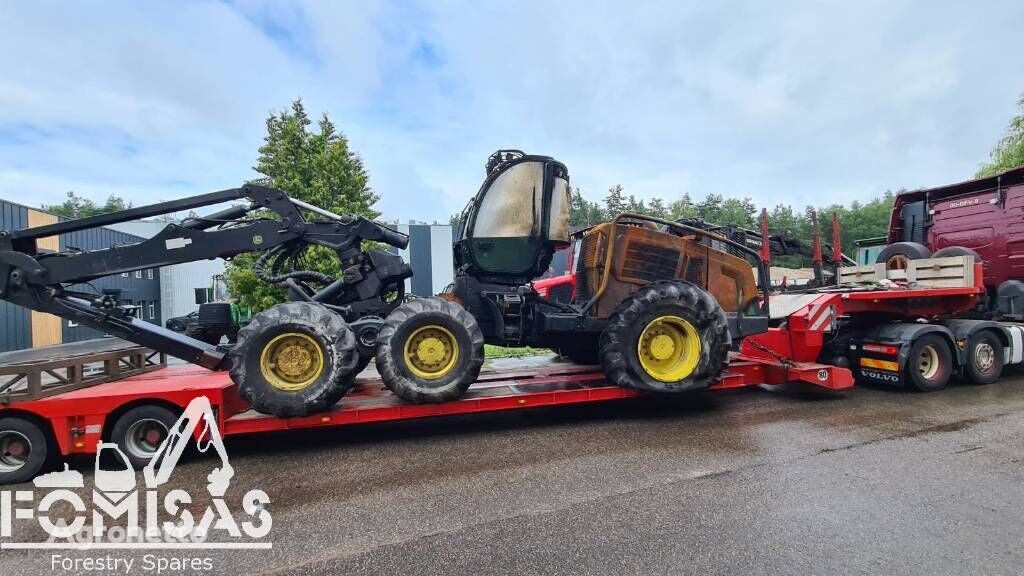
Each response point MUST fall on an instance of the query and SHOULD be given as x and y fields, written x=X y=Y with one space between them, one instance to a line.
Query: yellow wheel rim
x=431 y=352
x=292 y=361
x=669 y=349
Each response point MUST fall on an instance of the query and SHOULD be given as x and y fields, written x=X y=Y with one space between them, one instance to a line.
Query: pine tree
x=615 y=202
x=316 y=167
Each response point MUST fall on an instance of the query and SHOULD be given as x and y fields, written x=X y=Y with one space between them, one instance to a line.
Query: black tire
x=176 y=326
x=984 y=357
x=955 y=251
x=140 y=431
x=23 y=450
x=619 y=354
x=319 y=332
x=929 y=364
x=583 y=354
x=427 y=318
x=364 y=361
x=203 y=334
x=896 y=253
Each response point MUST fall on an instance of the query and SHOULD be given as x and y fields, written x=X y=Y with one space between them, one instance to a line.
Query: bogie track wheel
x=429 y=350
x=294 y=359
x=667 y=337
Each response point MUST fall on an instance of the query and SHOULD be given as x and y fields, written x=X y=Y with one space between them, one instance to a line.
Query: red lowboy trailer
x=826 y=338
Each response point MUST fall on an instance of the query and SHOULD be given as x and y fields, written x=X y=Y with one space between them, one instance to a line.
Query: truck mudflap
x=881 y=353
x=879 y=361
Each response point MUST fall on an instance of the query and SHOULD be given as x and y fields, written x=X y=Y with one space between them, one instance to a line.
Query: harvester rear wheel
x=667 y=337
x=429 y=350
x=294 y=359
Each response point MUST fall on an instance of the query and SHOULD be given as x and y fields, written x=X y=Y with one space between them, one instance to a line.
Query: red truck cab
x=983 y=216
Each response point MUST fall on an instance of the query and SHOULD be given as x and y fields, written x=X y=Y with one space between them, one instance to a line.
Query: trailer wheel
x=429 y=350
x=984 y=357
x=667 y=337
x=896 y=255
x=294 y=359
x=929 y=364
x=139 y=432
x=23 y=450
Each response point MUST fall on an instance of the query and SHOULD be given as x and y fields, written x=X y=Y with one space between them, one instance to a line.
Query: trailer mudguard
x=962 y=331
x=901 y=336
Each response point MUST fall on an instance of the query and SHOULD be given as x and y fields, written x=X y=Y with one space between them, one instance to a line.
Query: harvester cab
x=519 y=217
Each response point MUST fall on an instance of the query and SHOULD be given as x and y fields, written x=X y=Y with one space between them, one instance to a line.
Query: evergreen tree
x=79 y=207
x=1009 y=152
x=615 y=202
x=316 y=167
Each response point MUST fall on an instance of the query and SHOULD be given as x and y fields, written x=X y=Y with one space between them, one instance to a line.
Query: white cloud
x=784 y=102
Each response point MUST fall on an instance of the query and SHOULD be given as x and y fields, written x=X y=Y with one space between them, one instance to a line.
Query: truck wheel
x=429 y=350
x=140 y=431
x=896 y=255
x=929 y=364
x=23 y=450
x=984 y=357
x=294 y=359
x=667 y=337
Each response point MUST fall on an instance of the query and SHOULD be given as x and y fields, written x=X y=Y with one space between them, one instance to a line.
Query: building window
x=124 y=274
x=149 y=273
x=152 y=310
x=72 y=324
x=138 y=274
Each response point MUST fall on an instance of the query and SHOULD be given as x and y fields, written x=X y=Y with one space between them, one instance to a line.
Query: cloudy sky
x=791 y=102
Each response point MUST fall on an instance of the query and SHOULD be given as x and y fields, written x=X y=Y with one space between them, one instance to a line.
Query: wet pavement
x=791 y=480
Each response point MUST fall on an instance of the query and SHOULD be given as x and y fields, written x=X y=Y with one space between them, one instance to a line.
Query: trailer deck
x=791 y=351
x=79 y=418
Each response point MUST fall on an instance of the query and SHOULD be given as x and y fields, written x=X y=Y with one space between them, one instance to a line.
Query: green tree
x=80 y=207
x=656 y=207
x=615 y=202
x=682 y=208
x=316 y=167
x=736 y=212
x=1009 y=152
x=583 y=212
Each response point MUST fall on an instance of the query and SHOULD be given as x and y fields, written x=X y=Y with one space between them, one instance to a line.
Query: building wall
x=141 y=287
x=15 y=329
x=430 y=255
x=178 y=282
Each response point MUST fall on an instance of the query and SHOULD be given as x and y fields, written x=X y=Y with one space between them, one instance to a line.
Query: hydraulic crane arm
x=271 y=222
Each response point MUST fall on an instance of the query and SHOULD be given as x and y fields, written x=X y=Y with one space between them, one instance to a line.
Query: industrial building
x=22 y=328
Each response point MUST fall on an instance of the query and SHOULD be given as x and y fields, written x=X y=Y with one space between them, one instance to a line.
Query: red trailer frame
x=78 y=420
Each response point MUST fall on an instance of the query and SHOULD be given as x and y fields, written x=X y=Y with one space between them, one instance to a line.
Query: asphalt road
x=783 y=481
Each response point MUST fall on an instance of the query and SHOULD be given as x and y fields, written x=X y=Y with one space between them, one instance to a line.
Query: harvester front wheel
x=667 y=337
x=429 y=350
x=294 y=359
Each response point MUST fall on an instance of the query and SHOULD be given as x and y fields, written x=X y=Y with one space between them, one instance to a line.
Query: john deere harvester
x=657 y=303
